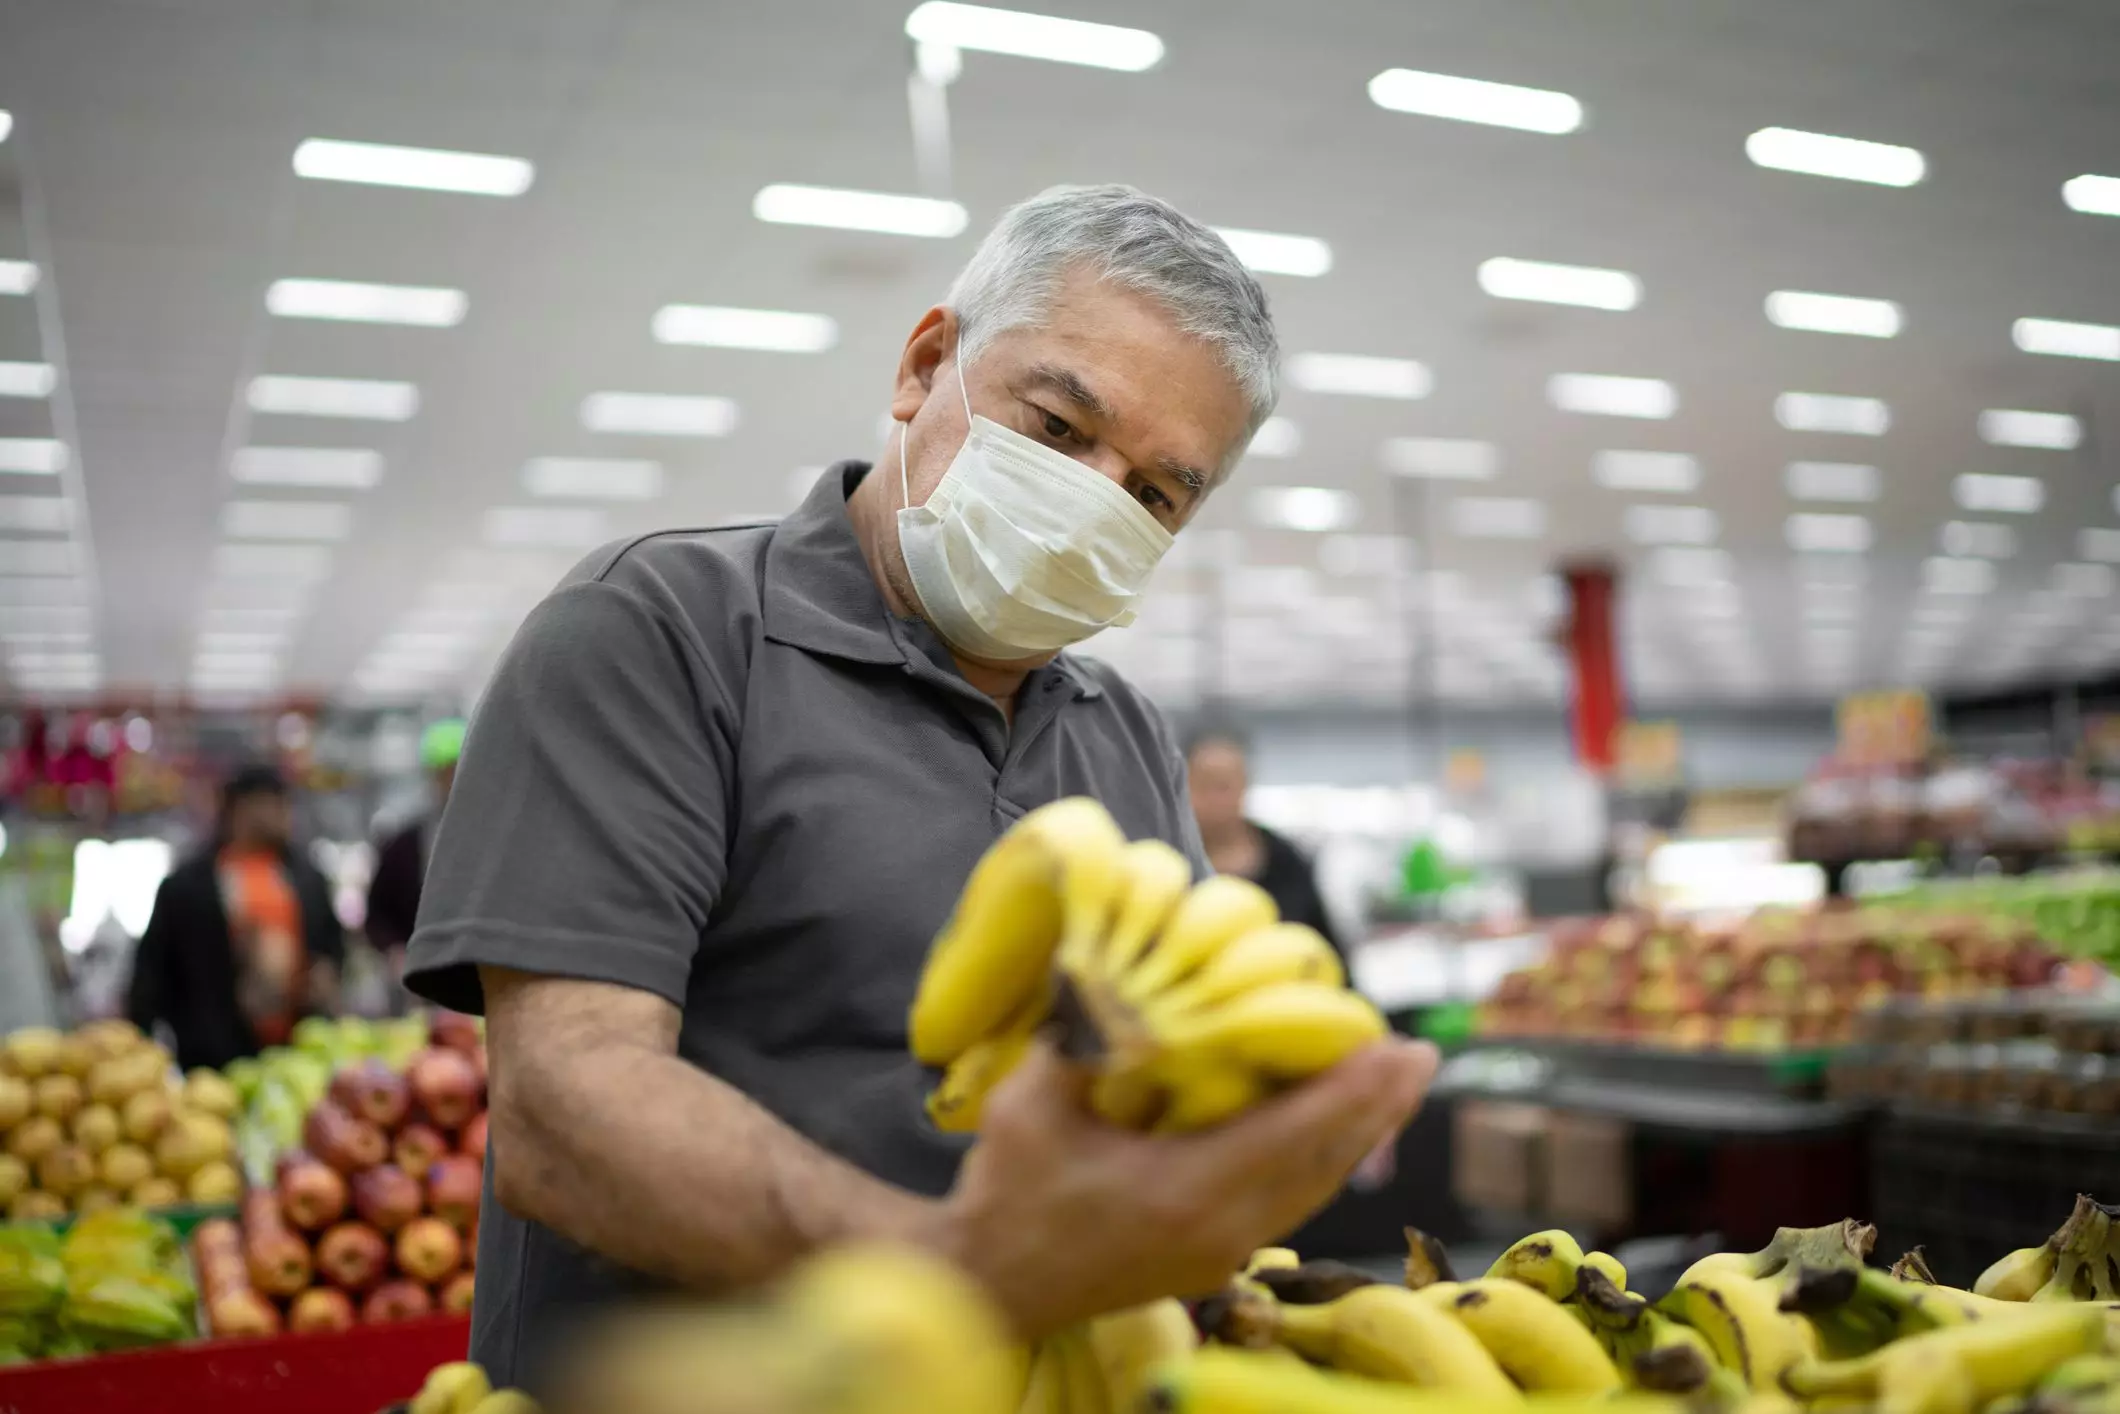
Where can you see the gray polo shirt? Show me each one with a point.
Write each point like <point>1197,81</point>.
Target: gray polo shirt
<point>714,766</point>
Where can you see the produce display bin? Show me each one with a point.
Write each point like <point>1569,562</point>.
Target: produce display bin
<point>355,1372</point>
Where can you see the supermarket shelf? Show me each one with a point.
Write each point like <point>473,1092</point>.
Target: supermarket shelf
<point>1698,1093</point>
<point>1703,1111</point>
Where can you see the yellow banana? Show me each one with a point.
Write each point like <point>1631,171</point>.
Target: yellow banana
<point>958,1100</point>
<point>1153,878</point>
<point>504,1401</point>
<point>1279,1259</point>
<point>1287,1030</point>
<point>1219,1380</point>
<point>1390,1333</point>
<point>1046,1390</point>
<point>1128,1098</point>
<point>1741,1318</point>
<point>453,1388</point>
<point>1609,1266</point>
<point>1082,1380</point>
<point>1536,1343</point>
<point>2018,1275</point>
<point>1279,952</point>
<point>1204,1091</point>
<point>1545,1262</point>
<point>1961,1367</point>
<point>1129,1346</point>
<point>1427,1261</point>
<point>1214,912</point>
<point>934,1341</point>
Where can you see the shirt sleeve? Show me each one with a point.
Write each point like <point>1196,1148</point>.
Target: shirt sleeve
<point>586,830</point>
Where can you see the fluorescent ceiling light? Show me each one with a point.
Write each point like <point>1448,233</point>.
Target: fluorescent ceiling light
<point>556,527</point>
<point>1822,155</point>
<point>1584,285</point>
<point>593,479</point>
<point>1820,531</point>
<point>720,327</point>
<point>335,468</point>
<point>791,204</point>
<point>1645,471</point>
<point>2015,427</point>
<point>1441,458</point>
<point>2092,194</point>
<point>659,414</point>
<point>1276,437</point>
<point>230,641</point>
<point>1834,314</point>
<point>1671,525</point>
<point>429,169</point>
<point>234,663</point>
<point>1688,567</point>
<point>2097,543</point>
<point>1360,375</point>
<point>1947,574</point>
<point>1270,253</point>
<point>36,513</point>
<point>34,456</point>
<point>287,520</point>
<point>375,400</point>
<point>292,562</point>
<point>1028,36</point>
<point>1832,481</point>
<point>17,277</point>
<point>1501,105</point>
<point>1315,508</point>
<point>2081,581</point>
<point>2064,339</point>
<point>40,557</point>
<point>76,622</point>
<point>44,591</point>
<point>1833,571</point>
<point>1832,412</point>
<point>7,124</point>
<point>351,300</point>
<point>1498,517</point>
<point>1609,396</point>
<point>1985,491</point>
<point>1979,539</point>
<point>27,380</point>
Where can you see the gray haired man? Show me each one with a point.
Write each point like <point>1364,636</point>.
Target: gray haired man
<point>725,785</point>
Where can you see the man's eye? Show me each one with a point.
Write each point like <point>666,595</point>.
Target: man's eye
<point>1152,497</point>
<point>1057,426</point>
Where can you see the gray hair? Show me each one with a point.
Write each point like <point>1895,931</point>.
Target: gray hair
<point>1143,243</point>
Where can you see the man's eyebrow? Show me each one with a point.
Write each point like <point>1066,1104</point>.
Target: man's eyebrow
<point>1185,474</point>
<point>1068,384</point>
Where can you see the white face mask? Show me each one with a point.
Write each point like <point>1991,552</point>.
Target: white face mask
<point>1021,549</point>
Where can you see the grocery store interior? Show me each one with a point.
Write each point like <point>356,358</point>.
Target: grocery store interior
<point>1664,640</point>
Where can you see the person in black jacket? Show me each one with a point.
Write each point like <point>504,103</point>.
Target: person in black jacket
<point>243,940</point>
<point>401,862</point>
<point>1218,774</point>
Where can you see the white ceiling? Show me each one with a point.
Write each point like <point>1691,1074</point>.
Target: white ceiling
<point>149,175</point>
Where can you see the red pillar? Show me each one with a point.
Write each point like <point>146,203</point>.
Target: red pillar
<point>1593,665</point>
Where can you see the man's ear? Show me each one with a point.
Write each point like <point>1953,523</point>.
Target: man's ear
<point>933,339</point>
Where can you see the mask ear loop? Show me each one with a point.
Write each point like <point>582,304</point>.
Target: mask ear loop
<point>905,490</point>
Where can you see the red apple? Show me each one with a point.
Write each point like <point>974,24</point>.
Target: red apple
<point>242,1312</point>
<point>428,1250</point>
<point>320,1309</point>
<point>371,1090</point>
<point>312,1195</point>
<point>343,1141</point>
<point>386,1197</point>
<point>287,1159</point>
<point>455,1296</point>
<point>473,1141</point>
<point>453,1186</point>
<point>278,1261</point>
<point>261,1212</point>
<point>446,1086</point>
<point>454,1031</point>
<point>418,1146</point>
<point>352,1256</point>
<point>396,1301</point>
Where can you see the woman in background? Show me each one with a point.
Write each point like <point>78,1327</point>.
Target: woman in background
<point>1217,769</point>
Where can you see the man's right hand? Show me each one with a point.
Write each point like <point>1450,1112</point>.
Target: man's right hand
<point>1064,1217</point>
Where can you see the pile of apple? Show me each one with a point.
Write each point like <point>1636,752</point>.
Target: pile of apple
<point>375,1217</point>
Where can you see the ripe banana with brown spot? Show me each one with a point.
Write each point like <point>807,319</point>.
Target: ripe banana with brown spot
<point>1128,1348</point>
<point>1742,1319</point>
<point>1390,1333</point>
<point>1227,1381</point>
<point>2018,1276</point>
<point>1544,1261</point>
<point>1961,1367</point>
<point>958,1101</point>
<point>1536,1343</point>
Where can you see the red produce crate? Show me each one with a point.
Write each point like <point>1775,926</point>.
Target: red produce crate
<point>355,1372</point>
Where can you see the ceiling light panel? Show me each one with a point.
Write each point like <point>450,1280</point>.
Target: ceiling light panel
<point>1276,437</point>
<point>27,380</point>
<point>2064,339</point>
<point>368,399</point>
<point>1832,481</point>
<point>2084,581</point>
<point>316,468</point>
<point>1817,531</point>
<point>44,591</point>
<point>1979,538</point>
<point>1608,395</point>
<point>1949,574</point>
<point>791,204</point>
<point>32,456</point>
<point>1673,472</point>
<point>1498,517</point>
<point>1313,508</point>
<point>17,277</point>
<point>1583,285</point>
<point>2017,427</point>
<point>1671,525</point>
<point>1688,567</point>
<point>1441,458</point>
<point>2098,543</point>
<point>1501,105</point>
<point>2092,194</point>
<point>549,527</point>
<point>424,168</point>
<point>592,479</point>
<point>1360,375</point>
<point>1833,412</point>
<point>766,330</point>
<point>1834,314</point>
<point>39,557</point>
<point>659,414</point>
<point>1824,155</point>
<point>41,514</point>
<point>355,302</point>
<point>1032,36</point>
<point>286,520</point>
<point>289,562</point>
<point>1984,491</point>
<point>1272,253</point>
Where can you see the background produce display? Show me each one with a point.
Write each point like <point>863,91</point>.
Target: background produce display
<point>281,1085</point>
<point>96,1118</point>
<point>373,1217</point>
<point>2024,1053</point>
<point>1778,979</point>
<point>115,1280</point>
<point>2076,912</point>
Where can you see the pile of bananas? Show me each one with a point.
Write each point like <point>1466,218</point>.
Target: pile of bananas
<point>1191,1001</point>
<point>461,1387</point>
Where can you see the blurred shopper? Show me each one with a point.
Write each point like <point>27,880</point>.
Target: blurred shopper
<point>243,941</point>
<point>401,863</point>
<point>725,785</point>
<point>1218,773</point>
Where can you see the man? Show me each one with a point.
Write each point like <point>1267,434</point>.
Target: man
<point>725,787</point>
<point>243,941</point>
<point>401,864</point>
<point>1219,776</point>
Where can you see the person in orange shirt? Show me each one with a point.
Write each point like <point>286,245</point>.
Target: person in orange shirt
<point>243,941</point>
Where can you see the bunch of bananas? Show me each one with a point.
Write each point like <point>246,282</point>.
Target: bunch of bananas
<point>1192,1001</point>
<point>460,1387</point>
